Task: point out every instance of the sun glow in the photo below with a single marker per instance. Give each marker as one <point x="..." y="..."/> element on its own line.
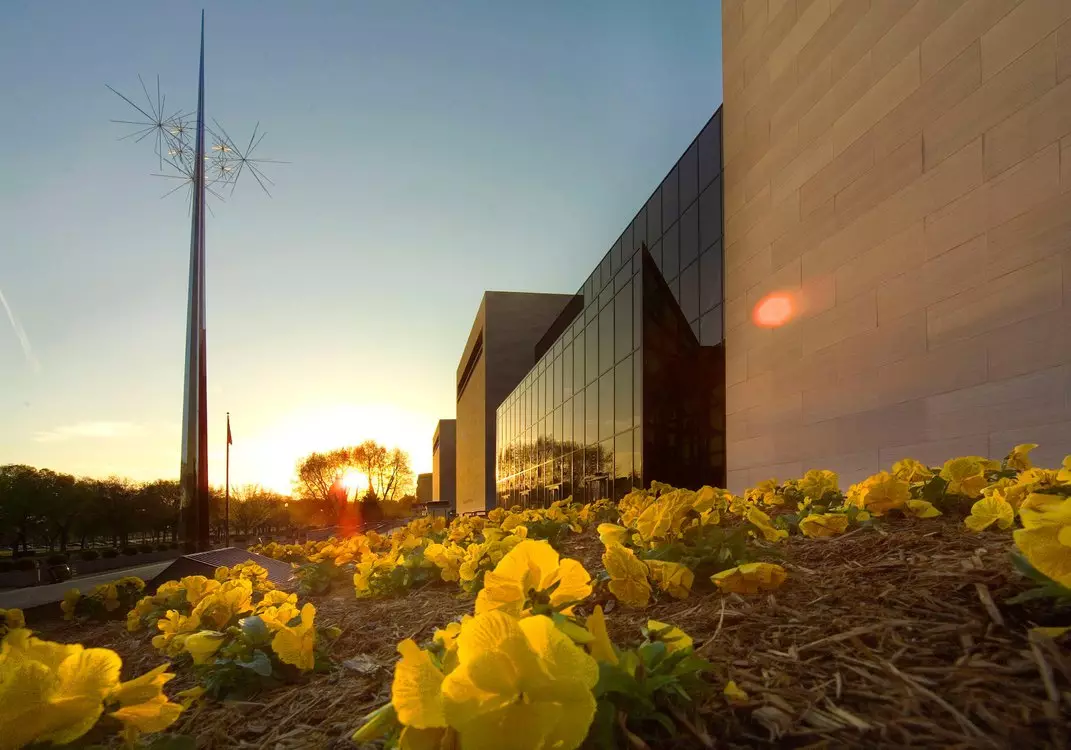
<point x="354" y="480"/>
<point x="773" y="310"/>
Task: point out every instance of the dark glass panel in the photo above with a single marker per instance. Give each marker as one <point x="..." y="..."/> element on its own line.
<point x="615" y="259"/>
<point x="578" y="363"/>
<point x="567" y="424"/>
<point x="606" y="406"/>
<point x="558" y="377"/>
<point x="654" y="217"/>
<point x="606" y="297"/>
<point x="623" y="322"/>
<point x="604" y="272"/>
<point x="675" y="287"/>
<point x="540" y="393"/>
<point x="623" y="395"/>
<point x="710" y="327"/>
<point x="689" y="297"/>
<point x="689" y="176"/>
<point x="627" y="241"/>
<point x="637" y="458"/>
<point x="567" y="372"/>
<point x="710" y="215"/>
<point x="623" y="460"/>
<point x="671" y="252"/>
<point x="578" y="419"/>
<point x="694" y="325"/>
<point x="637" y="313"/>
<point x="606" y="339"/>
<point x="709" y="152"/>
<point x="639" y="227"/>
<point x="591" y="414"/>
<point x="559" y="433"/>
<point x="592" y="332"/>
<point x="637" y="390"/>
<point x="622" y="278"/>
<point x="670" y="207"/>
<point x="690" y="235"/>
<point x="710" y="264"/>
<point x="656" y="254"/>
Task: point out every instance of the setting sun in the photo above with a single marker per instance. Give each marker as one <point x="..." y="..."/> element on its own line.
<point x="354" y="480"/>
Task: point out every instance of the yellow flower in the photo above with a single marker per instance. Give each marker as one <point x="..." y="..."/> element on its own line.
<point x="674" y="638"/>
<point x="1064" y="474"/>
<point x="765" y="492"/>
<point x="522" y="676"/>
<point x="446" y="557"/>
<point x="910" y="470"/>
<point x="70" y="603"/>
<point x="673" y="578"/>
<point x="761" y="521"/>
<point x="532" y="574"/>
<point x="218" y="609"/>
<point x="734" y="694"/>
<point x="143" y="706"/>
<point x="51" y="692"/>
<point x="884" y="492"/>
<point x="416" y="691"/>
<point x="447" y="637"/>
<point x="921" y="509"/>
<point x="197" y="588"/>
<point x="823" y="524"/>
<point x="1051" y="632"/>
<point x="174" y="627"/>
<point x="611" y="533"/>
<point x="295" y="645"/>
<point x="1045" y="539"/>
<point x="203" y="645"/>
<point x="601" y="647"/>
<point x="274" y="598"/>
<point x="12" y="618"/>
<point x="750" y="578"/>
<point x="1019" y="458"/>
<point x="817" y="482"/>
<point x="965" y="475"/>
<point x="990" y="510"/>
<point x="628" y="576"/>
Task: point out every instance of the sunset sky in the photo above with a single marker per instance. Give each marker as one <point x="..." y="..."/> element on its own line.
<point x="436" y="150"/>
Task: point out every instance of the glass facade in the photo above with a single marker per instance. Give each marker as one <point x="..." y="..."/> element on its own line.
<point x="633" y="388"/>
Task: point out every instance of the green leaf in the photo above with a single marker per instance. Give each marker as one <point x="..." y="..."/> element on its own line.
<point x="652" y="653"/>
<point x="603" y="729"/>
<point x="254" y="629"/>
<point x="260" y="664"/>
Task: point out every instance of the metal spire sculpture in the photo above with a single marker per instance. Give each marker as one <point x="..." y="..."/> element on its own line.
<point x="183" y="153"/>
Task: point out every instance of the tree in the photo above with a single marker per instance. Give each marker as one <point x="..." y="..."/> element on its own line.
<point x="317" y="474"/>
<point x="389" y="472"/>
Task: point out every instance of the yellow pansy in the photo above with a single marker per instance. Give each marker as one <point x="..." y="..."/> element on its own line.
<point x="447" y="636"/>
<point x="275" y="598"/>
<point x="750" y="578"/>
<point x="203" y="645"/>
<point x="674" y="638"/>
<point x="765" y="492"/>
<point x="600" y="646"/>
<point x="734" y="694"/>
<point x="524" y="675"/>
<point x="761" y="521"/>
<point x="51" y="692"/>
<point x="817" y="482"/>
<point x="198" y="587"/>
<point x="611" y="533"/>
<point x="1019" y="458"/>
<point x="921" y="509"/>
<point x="231" y="599"/>
<point x="1064" y="474"/>
<point x="12" y="618"/>
<point x="1045" y="539"/>
<point x="296" y="644"/>
<point x="446" y="557"/>
<point x="910" y="470"/>
<point x="533" y="574"/>
<point x="819" y="525"/>
<point x="990" y="510"/>
<point x="884" y="492"/>
<point x="416" y="691"/>
<point x="628" y="576"/>
<point x="965" y="475"/>
<point x="276" y="618"/>
<point x="70" y="603"/>
<point x="143" y="707"/>
<point x="673" y="578"/>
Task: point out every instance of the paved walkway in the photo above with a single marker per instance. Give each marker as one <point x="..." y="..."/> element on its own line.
<point x="35" y="596"/>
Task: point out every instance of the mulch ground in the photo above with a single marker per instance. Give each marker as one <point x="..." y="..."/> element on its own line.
<point x="892" y="637"/>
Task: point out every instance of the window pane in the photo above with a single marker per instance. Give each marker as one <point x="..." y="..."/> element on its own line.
<point x="557" y="370"/>
<point x="689" y="176"/>
<point x="622" y="278"/>
<point x="670" y="208"/>
<point x="710" y="278"/>
<point x="654" y="217"/>
<point x="567" y="426"/>
<point x="593" y="351"/>
<point x="639" y="227"/>
<point x="690" y="292"/>
<point x="710" y="215"/>
<point x="606" y="406"/>
<point x="559" y="434"/>
<point x="578" y="419"/>
<point x="591" y="414"/>
<point x="670" y="252"/>
<point x="656" y="256"/>
<point x="637" y="458"/>
<point x="623" y="322"/>
<point x="615" y="258"/>
<point x="709" y="152"/>
<point x="637" y="313"/>
<point x="710" y="331"/>
<point x="567" y="372"/>
<point x="675" y="287"/>
<point x="623" y="396"/>
<point x="606" y="339"/>
<point x="690" y="235"/>
<point x="540" y="391"/>
<point x="627" y="242"/>
<point x="637" y="390"/>
<point x="578" y="363"/>
<point x="623" y="458"/>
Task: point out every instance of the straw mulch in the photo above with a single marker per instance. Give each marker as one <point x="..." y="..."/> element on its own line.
<point x="880" y="638"/>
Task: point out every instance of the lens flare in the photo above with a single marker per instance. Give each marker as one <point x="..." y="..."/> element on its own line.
<point x="773" y="310"/>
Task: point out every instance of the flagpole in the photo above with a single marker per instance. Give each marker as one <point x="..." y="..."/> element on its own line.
<point x="227" y="493"/>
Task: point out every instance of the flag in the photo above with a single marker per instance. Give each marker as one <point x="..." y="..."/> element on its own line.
<point x="230" y="440"/>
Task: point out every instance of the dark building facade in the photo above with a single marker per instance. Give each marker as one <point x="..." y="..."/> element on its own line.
<point x="423" y="488"/>
<point x="629" y="381"/>
<point x="444" y="463"/>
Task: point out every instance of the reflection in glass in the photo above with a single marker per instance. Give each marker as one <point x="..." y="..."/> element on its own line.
<point x="591" y="412"/>
<point x="623" y="395"/>
<point x="710" y="277"/>
<point x="710" y="214"/>
<point x="654" y="217"/>
<point x="689" y="176"/>
<point x="592" y="333"/>
<point x="578" y="418"/>
<point x="670" y="207"/>
<point x="623" y="322"/>
<point x="689" y="235"/>
<point x="606" y="339"/>
<point x="690" y="292"/>
<point x="710" y="328"/>
<point x="671" y="252"/>
<point x="567" y="372"/>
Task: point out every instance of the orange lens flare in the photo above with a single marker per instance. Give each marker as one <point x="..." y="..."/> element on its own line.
<point x="773" y="310"/>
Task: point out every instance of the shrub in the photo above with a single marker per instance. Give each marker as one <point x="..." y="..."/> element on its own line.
<point x="163" y="547"/>
<point x="130" y="550"/>
<point x="109" y="552"/>
<point x="25" y="563"/>
<point x="145" y="548"/>
<point x="57" y="559"/>
<point x="89" y="554"/>
<point x="6" y="566"/>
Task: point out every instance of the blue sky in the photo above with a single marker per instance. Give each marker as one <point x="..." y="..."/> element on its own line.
<point x="436" y="150"/>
